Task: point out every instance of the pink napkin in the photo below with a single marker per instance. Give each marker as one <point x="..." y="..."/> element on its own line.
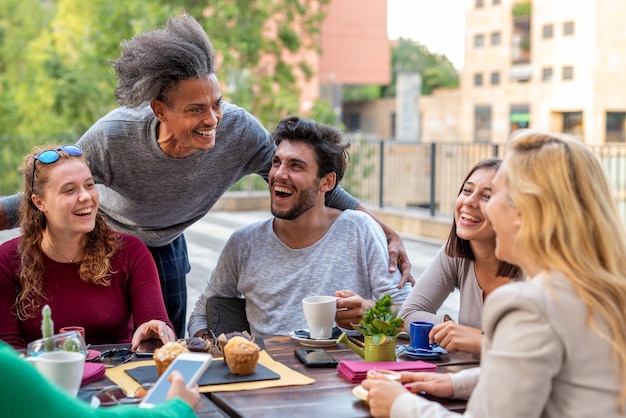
<point x="93" y="372"/>
<point x="355" y="371"/>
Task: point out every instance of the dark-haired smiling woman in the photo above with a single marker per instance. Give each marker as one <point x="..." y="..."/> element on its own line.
<point x="466" y="262"/>
<point x="67" y="257"/>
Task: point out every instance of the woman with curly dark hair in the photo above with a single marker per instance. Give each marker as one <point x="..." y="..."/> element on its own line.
<point x="69" y="258"/>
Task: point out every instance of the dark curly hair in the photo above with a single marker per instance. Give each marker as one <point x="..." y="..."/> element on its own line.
<point x="331" y="151"/>
<point x="152" y="63"/>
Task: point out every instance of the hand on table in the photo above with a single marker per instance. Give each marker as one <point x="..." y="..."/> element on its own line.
<point x="153" y="329"/>
<point x="178" y="389"/>
<point x="381" y="394"/>
<point x="435" y="384"/>
<point x="456" y="338"/>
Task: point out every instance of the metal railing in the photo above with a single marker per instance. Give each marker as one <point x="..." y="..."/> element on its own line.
<point x="423" y="177"/>
<point x="426" y="177"/>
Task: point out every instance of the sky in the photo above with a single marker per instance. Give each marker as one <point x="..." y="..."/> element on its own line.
<point x="438" y="24"/>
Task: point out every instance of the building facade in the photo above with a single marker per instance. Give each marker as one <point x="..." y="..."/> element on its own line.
<point x="555" y="65"/>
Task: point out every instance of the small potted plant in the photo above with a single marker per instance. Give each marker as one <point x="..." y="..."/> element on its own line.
<point x="69" y="341"/>
<point x="380" y="327"/>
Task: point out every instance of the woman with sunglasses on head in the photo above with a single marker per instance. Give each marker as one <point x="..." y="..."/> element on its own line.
<point x="31" y="395"/>
<point x="467" y="262"/>
<point x="67" y="257"/>
<point x="555" y="345"/>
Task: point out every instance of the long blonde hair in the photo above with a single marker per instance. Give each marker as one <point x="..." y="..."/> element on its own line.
<point x="571" y="224"/>
<point x="99" y="246"/>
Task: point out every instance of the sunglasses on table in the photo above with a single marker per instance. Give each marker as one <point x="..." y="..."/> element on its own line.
<point x="114" y="357"/>
<point x="50" y="156"/>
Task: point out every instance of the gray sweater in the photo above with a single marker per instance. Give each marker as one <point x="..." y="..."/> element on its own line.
<point x="443" y="275"/>
<point x="155" y="197"/>
<point x="274" y="278"/>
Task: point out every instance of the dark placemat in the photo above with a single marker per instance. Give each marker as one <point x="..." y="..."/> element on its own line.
<point x="216" y="374"/>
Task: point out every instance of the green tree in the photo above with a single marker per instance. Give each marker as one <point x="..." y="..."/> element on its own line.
<point x="68" y="81"/>
<point x="262" y="45"/>
<point x="436" y="70"/>
<point x="56" y="79"/>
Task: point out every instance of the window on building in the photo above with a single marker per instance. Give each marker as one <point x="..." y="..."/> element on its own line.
<point x="496" y="2"/>
<point x="495" y="38"/>
<point x="479" y="3"/>
<point x="520" y="48"/>
<point x="353" y="122"/>
<point x="546" y="74"/>
<point x="616" y="127"/>
<point x="548" y="31"/>
<point x="479" y="41"/>
<point x="495" y="78"/>
<point x="519" y="117"/>
<point x="478" y="79"/>
<point x="482" y="124"/>
<point x="568" y="28"/>
<point x="568" y="72"/>
<point x="573" y="124"/>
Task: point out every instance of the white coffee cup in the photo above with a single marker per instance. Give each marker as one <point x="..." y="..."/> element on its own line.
<point x="319" y="312"/>
<point x="63" y="368"/>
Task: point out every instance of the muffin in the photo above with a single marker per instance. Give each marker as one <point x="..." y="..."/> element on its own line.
<point x="164" y="355"/>
<point x="241" y="355"/>
<point x="198" y="345"/>
<point x="222" y="340"/>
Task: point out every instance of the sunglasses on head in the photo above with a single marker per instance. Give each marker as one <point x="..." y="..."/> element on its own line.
<point x="50" y="156"/>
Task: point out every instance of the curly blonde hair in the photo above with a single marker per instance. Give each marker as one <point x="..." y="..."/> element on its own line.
<point x="572" y="224"/>
<point x="100" y="245"/>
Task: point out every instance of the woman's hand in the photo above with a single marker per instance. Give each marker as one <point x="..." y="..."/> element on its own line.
<point x="152" y="329"/>
<point x="455" y="338"/>
<point x="381" y="394"/>
<point x="179" y="390"/>
<point x="435" y="384"/>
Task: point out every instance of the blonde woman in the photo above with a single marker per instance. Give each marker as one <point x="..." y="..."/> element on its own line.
<point x="554" y="346"/>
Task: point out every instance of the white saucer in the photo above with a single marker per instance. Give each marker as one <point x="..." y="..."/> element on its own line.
<point x="308" y="342"/>
<point x="360" y="392"/>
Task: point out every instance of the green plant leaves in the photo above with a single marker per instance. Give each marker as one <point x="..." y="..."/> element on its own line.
<point x="380" y="322"/>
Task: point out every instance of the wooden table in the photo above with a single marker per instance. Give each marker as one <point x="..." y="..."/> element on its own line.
<point x="207" y="409"/>
<point x="330" y="395"/>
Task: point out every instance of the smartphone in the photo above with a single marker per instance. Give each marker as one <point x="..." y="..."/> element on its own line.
<point x="146" y="347"/>
<point x="315" y="357"/>
<point x="190" y="365"/>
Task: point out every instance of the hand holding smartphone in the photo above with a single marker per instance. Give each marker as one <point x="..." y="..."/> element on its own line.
<point x="315" y="357"/>
<point x="190" y="365"/>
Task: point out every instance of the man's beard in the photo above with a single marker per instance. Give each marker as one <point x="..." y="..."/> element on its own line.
<point x="306" y="201"/>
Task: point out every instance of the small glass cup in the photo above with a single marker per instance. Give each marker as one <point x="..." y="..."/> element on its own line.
<point x="74" y="328"/>
<point x="66" y="341"/>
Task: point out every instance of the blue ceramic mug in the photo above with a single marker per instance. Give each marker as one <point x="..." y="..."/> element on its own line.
<point x="419" y="331"/>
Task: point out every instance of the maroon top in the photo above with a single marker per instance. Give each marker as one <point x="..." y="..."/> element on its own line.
<point x="109" y="314"/>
